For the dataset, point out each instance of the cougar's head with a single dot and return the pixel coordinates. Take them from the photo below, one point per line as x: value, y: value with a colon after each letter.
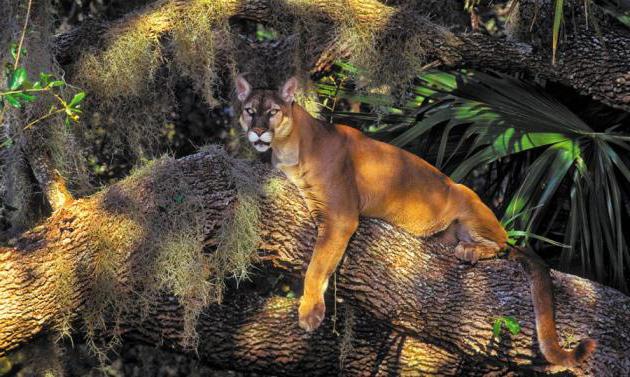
x: 265, y: 113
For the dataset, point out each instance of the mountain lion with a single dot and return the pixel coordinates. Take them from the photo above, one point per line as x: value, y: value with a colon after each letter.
x: 343, y: 174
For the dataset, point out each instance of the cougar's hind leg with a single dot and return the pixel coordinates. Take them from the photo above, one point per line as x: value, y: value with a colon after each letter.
x: 449, y: 235
x: 480, y: 235
x: 470, y: 248
x: 472, y: 252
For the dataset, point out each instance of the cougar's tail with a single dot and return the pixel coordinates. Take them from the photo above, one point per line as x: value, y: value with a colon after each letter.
x: 542, y: 297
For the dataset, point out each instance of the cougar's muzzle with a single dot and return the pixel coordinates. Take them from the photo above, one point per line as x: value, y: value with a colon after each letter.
x: 260, y: 138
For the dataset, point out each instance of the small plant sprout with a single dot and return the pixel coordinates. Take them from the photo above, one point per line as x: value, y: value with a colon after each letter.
x: 509, y: 322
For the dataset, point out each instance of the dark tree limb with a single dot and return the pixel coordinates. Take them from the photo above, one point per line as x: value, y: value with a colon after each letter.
x: 415, y: 287
x: 592, y: 60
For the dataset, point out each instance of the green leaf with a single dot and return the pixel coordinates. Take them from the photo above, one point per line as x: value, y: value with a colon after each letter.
x: 539, y: 173
x: 522, y: 233
x: 509, y: 322
x: 56, y: 83
x: 265, y: 35
x: 13, y: 101
x: 347, y: 67
x: 45, y: 78
x: 421, y: 127
x: 13, y: 50
x: 496, y: 328
x: 17, y: 78
x: 6, y: 143
x: 77, y: 99
x: 518, y: 104
x: 512, y: 325
x: 625, y: 20
x: 443, y: 81
x: 557, y: 21
x: 507, y: 221
x: 505, y: 144
x: 565, y: 157
x: 26, y: 97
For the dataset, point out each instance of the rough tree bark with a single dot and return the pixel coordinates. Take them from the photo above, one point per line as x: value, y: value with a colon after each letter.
x: 257, y: 334
x: 416, y: 307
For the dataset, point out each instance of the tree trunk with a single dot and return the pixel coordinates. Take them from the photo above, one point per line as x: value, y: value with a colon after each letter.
x: 32, y: 182
x: 416, y: 288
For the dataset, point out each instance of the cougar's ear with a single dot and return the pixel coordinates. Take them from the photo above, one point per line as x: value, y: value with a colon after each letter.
x: 243, y: 89
x: 287, y: 92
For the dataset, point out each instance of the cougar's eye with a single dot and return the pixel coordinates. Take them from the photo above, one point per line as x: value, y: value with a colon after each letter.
x: 250, y: 111
x: 273, y: 112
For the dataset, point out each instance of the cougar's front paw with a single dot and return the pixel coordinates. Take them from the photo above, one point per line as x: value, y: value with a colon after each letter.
x: 467, y: 252
x: 311, y: 313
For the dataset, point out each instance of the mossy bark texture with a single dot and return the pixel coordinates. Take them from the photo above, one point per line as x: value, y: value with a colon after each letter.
x: 411, y: 307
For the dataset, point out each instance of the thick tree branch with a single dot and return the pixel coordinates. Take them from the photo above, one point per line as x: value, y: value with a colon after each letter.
x: 416, y: 287
x: 592, y: 60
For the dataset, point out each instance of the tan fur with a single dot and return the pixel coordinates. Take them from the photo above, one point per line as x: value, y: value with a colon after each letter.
x: 343, y: 174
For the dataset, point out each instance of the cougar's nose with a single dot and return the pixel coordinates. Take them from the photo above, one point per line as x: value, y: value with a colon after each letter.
x: 259, y: 131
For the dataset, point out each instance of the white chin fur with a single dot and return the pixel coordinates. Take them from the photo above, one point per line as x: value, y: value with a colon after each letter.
x: 262, y: 147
